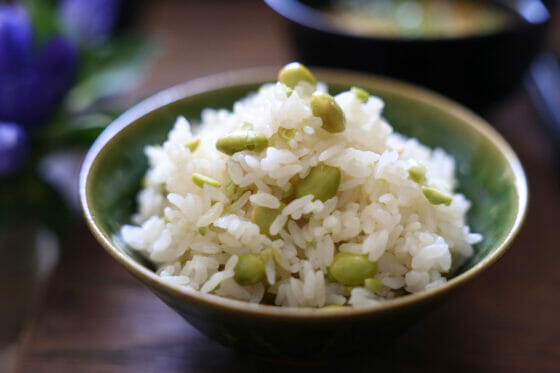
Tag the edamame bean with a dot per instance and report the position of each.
(417, 173)
(325, 107)
(360, 93)
(436, 196)
(289, 90)
(286, 133)
(322, 182)
(264, 217)
(193, 144)
(249, 269)
(272, 253)
(230, 186)
(241, 140)
(200, 180)
(352, 269)
(295, 72)
(267, 254)
(374, 285)
(348, 288)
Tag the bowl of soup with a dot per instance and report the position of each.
(473, 51)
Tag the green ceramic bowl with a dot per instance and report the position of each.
(490, 174)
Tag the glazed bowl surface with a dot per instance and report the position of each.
(488, 170)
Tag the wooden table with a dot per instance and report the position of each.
(96, 318)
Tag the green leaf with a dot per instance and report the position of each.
(76, 130)
(109, 69)
(44, 18)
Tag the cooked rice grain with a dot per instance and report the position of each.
(195, 235)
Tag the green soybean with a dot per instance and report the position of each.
(202, 231)
(417, 173)
(249, 269)
(374, 285)
(349, 288)
(325, 107)
(272, 253)
(322, 182)
(360, 93)
(193, 144)
(246, 126)
(295, 72)
(436, 196)
(241, 140)
(267, 254)
(200, 180)
(289, 90)
(352, 269)
(264, 217)
(286, 133)
(229, 185)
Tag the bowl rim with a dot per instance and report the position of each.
(306, 16)
(260, 75)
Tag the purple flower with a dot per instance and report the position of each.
(15, 37)
(32, 82)
(13, 148)
(89, 21)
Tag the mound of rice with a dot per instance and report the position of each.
(195, 235)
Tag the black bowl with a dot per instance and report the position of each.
(477, 70)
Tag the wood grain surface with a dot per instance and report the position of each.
(96, 318)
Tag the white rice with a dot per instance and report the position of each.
(195, 235)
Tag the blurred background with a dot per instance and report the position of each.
(69, 67)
